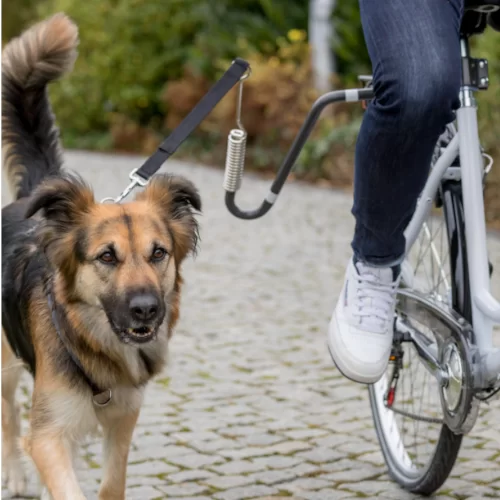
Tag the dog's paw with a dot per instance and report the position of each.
(14, 477)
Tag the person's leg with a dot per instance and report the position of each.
(415, 52)
(414, 47)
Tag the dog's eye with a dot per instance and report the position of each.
(158, 254)
(107, 258)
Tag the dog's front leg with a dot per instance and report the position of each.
(117, 438)
(11, 453)
(52, 456)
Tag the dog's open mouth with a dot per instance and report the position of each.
(140, 334)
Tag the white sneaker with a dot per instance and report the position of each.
(361, 329)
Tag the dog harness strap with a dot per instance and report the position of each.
(100, 397)
(193, 119)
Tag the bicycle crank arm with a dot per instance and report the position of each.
(426, 350)
(234, 170)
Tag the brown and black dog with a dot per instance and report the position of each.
(90, 291)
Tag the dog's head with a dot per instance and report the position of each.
(121, 258)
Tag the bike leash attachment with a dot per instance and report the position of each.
(142, 175)
(235, 158)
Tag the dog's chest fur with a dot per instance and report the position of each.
(80, 417)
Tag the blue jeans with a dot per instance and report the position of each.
(414, 48)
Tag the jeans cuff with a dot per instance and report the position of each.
(381, 261)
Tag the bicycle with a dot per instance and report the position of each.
(446, 324)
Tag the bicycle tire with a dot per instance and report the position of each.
(448, 445)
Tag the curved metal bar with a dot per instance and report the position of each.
(350, 95)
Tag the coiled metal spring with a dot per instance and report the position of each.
(236, 148)
(235, 159)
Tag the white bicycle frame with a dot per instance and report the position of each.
(485, 308)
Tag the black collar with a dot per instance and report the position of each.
(100, 397)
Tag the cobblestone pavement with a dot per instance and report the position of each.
(251, 406)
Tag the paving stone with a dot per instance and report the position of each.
(279, 497)
(289, 447)
(351, 475)
(227, 482)
(190, 475)
(306, 469)
(247, 453)
(325, 494)
(366, 487)
(150, 468)
(262, 439)
(158, 452)
(480, 464)
(330, 440)
(277, 461)
(189, 498)
(305, 484)
(375, 458)
(183, 489)
(215, 445)
(483, 476)
(357, 447)
(306, 433)
(239, 431)
(237, 467)
(195, 460)
(134, 481)
(143, 492)
(189, 437)
(398, 494)
(475, 498)
(273, 476)
(320, 455)
(245, 492)
(475, 489)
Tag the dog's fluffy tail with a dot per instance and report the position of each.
(30, 138)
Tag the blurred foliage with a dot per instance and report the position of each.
(349, 43)
(16, 16)
(144, 64)
(129, 49)
(488, 46)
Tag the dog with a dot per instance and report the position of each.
(90, 291)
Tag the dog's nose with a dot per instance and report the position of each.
(144, 307)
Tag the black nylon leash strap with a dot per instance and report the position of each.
(168, 147)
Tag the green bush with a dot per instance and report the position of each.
(130, 49)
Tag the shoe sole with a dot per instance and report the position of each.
(347, 376)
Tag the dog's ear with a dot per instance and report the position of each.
(178, 200)
(177, 195)
(62, 201)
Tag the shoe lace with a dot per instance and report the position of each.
(375, 300)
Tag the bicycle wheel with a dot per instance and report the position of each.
(418, 447)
